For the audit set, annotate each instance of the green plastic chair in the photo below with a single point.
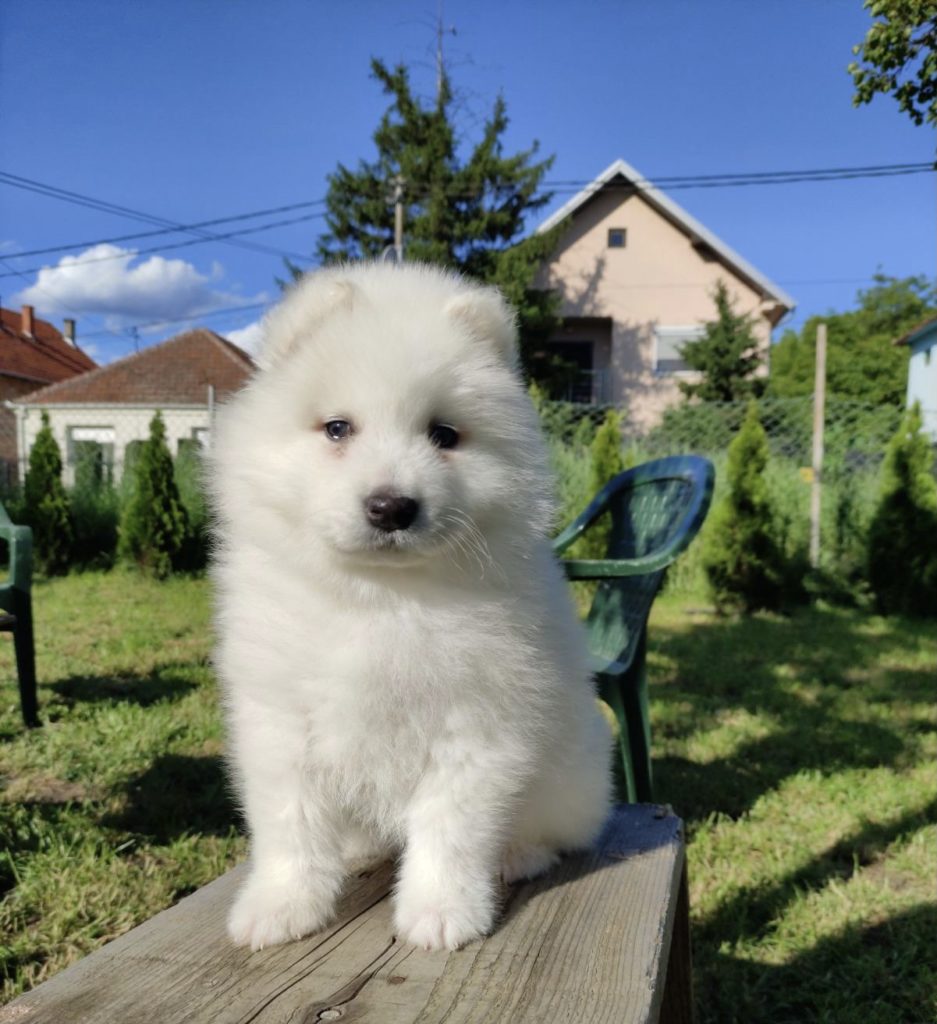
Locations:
(16, 601)
(656, 510)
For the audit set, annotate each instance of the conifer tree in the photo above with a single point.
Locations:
(153, 523)
(903, 532)
(46, 503)
(726, 355)
(741, 555)
(468, 214)
(607, 462)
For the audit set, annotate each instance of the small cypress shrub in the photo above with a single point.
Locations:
(46, 503)
(606, 462)
(153, 522)
(742, 558)
(902, 559)
(193, 555)
(95, 509)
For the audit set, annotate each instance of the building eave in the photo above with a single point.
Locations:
(697, 232)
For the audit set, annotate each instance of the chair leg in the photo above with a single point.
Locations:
(635, 705)
(610, 690)
(26, 660)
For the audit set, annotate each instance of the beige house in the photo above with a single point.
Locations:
(636, 274)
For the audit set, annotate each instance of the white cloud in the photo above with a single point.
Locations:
(103, 280)
(247, 338)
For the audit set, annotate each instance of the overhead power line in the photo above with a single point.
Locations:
(76, 198)
(181, 319)
(123, 254)
(168, 231)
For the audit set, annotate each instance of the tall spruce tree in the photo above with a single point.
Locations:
(153, 523)
(46, 503)
(468, 213)
(726, 355)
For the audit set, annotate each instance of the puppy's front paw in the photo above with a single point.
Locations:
(266, 914)
(444, 926)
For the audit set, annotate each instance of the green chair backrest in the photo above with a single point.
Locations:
(656, 509)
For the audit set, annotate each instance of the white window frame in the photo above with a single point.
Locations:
(677, 332)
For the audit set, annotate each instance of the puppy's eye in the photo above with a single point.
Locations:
(443, 436)
(337, 430)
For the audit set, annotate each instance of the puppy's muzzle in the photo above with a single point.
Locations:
(388, 511)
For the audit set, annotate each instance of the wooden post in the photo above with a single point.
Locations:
(819, 406)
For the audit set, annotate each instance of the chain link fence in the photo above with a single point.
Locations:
(856, 437)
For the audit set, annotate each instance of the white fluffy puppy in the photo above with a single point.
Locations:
(401, 664)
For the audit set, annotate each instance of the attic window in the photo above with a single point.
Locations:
(617, 238)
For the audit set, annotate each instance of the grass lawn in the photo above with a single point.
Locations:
(800, 751)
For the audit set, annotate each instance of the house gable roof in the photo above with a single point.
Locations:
(43, 357)
(919, 333)
(676, 215)
(174, 372)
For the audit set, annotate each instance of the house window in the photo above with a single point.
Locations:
(91, 454)
(617, 238)
(565, 369)
(202, 436)
(668, 341)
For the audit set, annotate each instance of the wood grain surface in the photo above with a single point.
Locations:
(589, 942)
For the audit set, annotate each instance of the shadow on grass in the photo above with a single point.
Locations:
(813, 675)
(178, 795)
(824, 691)
(751, 911)
(880, 972)
(169, 682)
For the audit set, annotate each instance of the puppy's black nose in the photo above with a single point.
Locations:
(388, 511)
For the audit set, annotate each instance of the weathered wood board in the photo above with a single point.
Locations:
(587, 942)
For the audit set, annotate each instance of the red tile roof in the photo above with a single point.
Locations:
(175, 372)
(44, 358)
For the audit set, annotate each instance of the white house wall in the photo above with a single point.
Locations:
(129, 423)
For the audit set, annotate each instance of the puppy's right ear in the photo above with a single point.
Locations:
(309, 304)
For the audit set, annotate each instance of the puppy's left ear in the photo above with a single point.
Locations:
(487, 315)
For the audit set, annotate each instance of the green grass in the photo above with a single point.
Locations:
(801, 753)
(799, 750)
(117, 806)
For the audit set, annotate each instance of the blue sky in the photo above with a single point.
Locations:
(194, 109)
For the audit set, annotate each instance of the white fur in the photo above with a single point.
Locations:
(422, 692)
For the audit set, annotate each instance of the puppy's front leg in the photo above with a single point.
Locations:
(456, 829)
(296, 868)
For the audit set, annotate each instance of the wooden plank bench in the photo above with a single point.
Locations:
(602, 937)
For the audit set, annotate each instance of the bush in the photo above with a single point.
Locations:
(46, 504)
(902, 558)
(742, 556)
(154, 522)
(95, 514)
(605, 462)
(188, 475)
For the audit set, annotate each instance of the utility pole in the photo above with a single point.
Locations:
(819, 407)
(441, 31)
(398, 184)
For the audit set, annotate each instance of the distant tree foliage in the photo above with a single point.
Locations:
(726, 355)
(902, 551)
(862, 363)
(470, 214)
(898, 57)
(153, 522)
(742, 558)
(46, 503)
